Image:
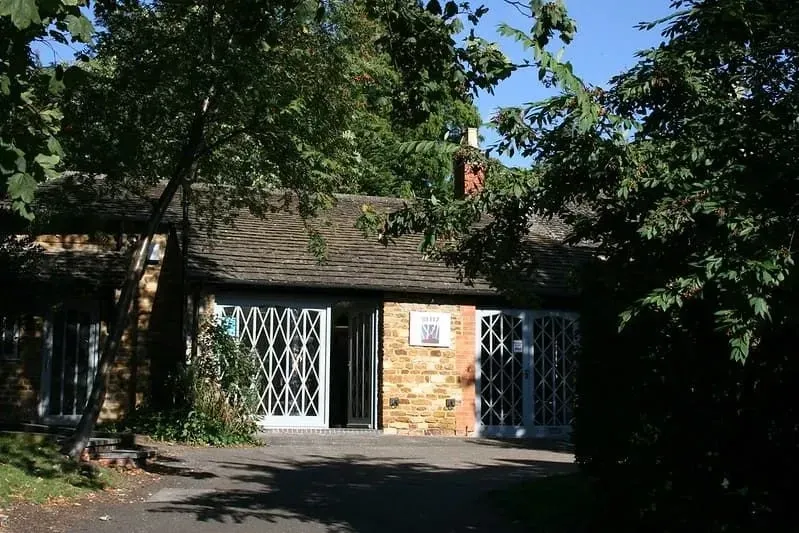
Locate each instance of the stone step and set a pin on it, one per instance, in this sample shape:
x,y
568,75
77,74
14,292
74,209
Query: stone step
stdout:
x,y
102,444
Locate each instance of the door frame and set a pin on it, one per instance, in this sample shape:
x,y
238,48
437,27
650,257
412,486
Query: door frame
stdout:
x,y
503,431
527,428
47,358
374,311
324,306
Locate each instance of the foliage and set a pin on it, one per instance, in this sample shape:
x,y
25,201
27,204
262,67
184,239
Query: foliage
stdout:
x,y
255,76
553,504
433,68
228,95
682,177
30,113
33,470
218,401
380,123
224,363
679,436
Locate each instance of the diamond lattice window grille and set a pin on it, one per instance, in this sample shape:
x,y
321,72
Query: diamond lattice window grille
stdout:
x,y
555,342
501,378
288,344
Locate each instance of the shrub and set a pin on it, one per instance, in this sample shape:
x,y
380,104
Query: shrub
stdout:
x,y
679,436
219,396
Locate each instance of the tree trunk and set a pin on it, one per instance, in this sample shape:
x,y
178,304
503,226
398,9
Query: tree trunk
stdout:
x,y
186,167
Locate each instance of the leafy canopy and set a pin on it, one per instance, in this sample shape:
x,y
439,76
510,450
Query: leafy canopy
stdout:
x,y
267,86
30,152
682,173
381,123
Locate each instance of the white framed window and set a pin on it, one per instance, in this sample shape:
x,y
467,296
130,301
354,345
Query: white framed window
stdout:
x,y
9,337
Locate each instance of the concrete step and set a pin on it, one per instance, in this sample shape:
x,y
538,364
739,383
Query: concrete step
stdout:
x,y
123,458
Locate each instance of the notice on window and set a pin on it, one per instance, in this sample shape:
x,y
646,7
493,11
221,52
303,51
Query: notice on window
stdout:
x,y
518,346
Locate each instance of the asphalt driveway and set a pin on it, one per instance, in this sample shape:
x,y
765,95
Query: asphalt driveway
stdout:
x,y
321,483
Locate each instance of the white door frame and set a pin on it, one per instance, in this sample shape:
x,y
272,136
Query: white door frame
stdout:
x,y
322,420
527,428
520,430
47,360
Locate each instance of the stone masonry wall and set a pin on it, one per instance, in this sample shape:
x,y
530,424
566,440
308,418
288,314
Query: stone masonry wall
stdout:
x,y
20,378
129,381
423,378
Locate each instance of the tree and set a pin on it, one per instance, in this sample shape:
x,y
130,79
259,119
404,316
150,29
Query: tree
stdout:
x,y
383,126
214,93
228,94
30,152
682,175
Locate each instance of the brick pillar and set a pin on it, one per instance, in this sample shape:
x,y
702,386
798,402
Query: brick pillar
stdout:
x,y
468,176
465,414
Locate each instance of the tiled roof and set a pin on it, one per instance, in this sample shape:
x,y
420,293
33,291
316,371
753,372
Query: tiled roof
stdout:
x,y
65,267
274,251
77,196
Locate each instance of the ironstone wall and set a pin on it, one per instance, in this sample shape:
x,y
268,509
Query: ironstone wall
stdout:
x,y
422,379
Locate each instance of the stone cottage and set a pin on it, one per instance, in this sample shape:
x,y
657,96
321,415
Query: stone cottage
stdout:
x,y
375,337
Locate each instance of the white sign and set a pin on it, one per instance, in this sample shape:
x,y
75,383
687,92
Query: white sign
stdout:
x,y
430,329
518,346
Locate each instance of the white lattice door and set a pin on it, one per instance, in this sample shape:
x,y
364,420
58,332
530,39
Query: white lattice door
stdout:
x,y
502,373
291,345
525,372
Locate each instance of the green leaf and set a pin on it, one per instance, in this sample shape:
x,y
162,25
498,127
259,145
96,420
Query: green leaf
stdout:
x,y
80,27
56,83
5,85
22,12
54,146
760,306
47,161
74,75
21,186
434,7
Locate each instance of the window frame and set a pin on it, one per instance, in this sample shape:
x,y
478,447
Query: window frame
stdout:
x,y
16,334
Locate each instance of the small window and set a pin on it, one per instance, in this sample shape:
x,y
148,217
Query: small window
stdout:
x,y
9,337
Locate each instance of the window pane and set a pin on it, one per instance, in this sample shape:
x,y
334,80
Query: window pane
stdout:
x,y
57,363
71,352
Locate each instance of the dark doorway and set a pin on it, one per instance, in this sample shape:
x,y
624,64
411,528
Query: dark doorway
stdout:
x,y
339,369
353,359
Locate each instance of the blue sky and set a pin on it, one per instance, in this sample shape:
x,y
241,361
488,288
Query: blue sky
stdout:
x,y
604,46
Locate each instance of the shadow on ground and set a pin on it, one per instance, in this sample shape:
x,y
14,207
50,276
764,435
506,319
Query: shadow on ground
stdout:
x,y
162,468
356,493
552,445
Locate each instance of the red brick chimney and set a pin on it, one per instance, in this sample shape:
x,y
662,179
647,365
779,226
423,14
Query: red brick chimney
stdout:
x,y
468,174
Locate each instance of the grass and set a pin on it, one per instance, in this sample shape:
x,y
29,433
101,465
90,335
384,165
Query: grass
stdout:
x,y
556,504
33,470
